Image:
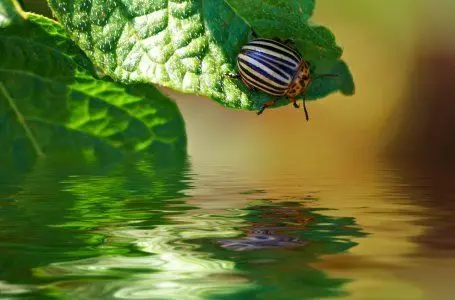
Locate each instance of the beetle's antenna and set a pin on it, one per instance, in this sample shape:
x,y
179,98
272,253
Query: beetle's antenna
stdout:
x,y
316,77
306,112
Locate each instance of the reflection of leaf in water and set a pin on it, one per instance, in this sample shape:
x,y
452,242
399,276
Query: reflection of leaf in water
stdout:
x,y
58,208
88,232
108,198
136,210
169,267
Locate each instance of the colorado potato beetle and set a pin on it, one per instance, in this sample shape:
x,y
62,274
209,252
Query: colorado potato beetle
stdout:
x,y
276,68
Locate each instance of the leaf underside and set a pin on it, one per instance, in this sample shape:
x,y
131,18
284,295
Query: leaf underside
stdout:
x,y
49,101
189,45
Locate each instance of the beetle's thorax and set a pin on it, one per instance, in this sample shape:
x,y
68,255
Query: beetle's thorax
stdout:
x,y
300,81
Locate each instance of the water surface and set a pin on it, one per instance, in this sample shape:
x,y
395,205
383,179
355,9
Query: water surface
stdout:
x,y
138,229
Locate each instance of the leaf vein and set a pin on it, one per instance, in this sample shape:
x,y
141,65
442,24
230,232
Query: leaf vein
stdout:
x,y
152,134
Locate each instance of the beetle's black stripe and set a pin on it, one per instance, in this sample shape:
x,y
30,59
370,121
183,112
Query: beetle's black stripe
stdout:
x,y
259,83
269,90
263,69
261,80
278,45
272,66
281,49
269,50
283,52
290,62
270,60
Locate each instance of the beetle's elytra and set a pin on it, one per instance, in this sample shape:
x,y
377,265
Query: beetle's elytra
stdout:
x,y
275,68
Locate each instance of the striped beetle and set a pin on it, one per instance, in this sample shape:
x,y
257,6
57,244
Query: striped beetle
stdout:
x,y
275,68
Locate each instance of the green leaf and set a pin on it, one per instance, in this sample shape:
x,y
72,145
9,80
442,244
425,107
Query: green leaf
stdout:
x,y
50,102
188,45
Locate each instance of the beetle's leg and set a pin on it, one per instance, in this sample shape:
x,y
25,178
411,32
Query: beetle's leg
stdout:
x,y
294,102
267,104
306,111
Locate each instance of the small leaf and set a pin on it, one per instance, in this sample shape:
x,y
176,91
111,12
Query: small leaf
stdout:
x,y
322,87
188,45
288,19
50,101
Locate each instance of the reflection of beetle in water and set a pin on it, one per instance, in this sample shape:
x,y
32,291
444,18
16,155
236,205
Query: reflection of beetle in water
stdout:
x,y
271,232
260,238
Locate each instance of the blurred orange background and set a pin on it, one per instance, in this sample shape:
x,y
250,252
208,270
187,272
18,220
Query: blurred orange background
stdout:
x,y
399,127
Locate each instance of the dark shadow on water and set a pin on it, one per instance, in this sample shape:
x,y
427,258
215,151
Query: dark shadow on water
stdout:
x,y
423,150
